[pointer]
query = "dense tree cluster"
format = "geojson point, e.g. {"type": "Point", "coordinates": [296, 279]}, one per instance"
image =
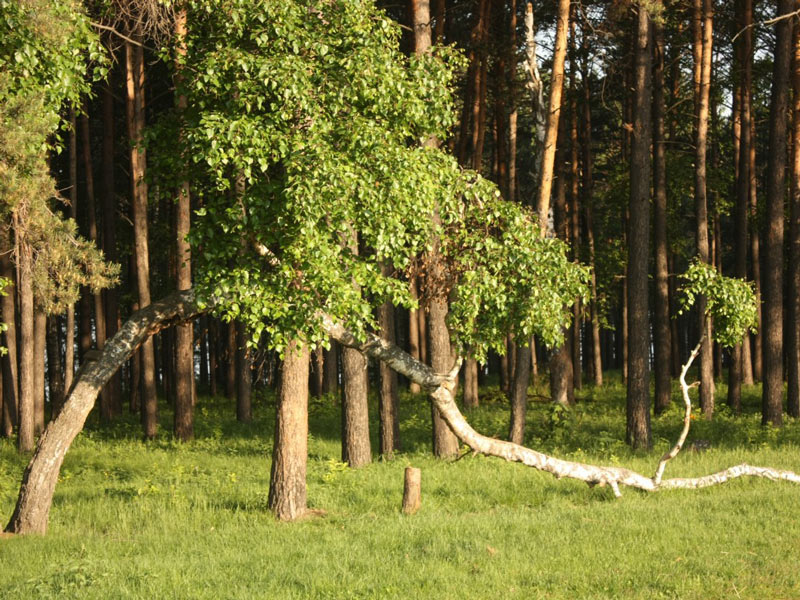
{"type": "Point", "coordinates": [505, 182]}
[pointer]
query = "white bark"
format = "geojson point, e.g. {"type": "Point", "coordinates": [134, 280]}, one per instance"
{"type": "Point", "coordinates": [442, 385]}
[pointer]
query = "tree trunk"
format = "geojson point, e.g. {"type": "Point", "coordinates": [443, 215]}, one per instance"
{"type": "Point", "coordinates": [106, 410]}
{"type": "Point", "coordinates": [24, 254]}
{"type": "Point", "coordinates": [244, 376]}
{"type": "Point", "coordinates": [445, 444]}
{"type": "Point", "coordinates": [574, 202]}
{"type": "Point", "coordinates": [471, 383]}
{"type": "Point", "coordinates": [638, 398]}
{"type": "Point", "coordinates": [330, 364]}
{"type": "Point", "coordinates": [772, 394]}
{"type": "Point", "coordinates": [553, 114]}
{"type": "Point", "coordinates": [184, 334]}
{"type": "Point", "coordinates": [755, 258]}
{"type": "Point", "coordinates": [389, 427]}
{"type": "Point", "coordinates": [587, 200]}
{"type": "Point", "coordinates": [287, 482]}
{"type": "Point", "coordinates": [41, 474]}
{"type": "Point", "coordinates": [230, 360]}
{"type": "Point", "coordinates": [136, 120]}
{"type": "Point", "coordinates": [10, 361]}
{"type": "Point", "coordinates": [702, 32]}
{"type": "Point", "coordinates": [793, 328]}
{"type": "Point", "coordinates": [39, 335]}
{"type": "Point", "coordinates": [661, 333]}
{"type": "Point", "coordinates": [111, 295]}
{"type": "Point", "coordinates": [413, 333]}
{"type": "Point", "coordinates": [744, 54]}
{"type": "Point", "coordinates": [54, 366]}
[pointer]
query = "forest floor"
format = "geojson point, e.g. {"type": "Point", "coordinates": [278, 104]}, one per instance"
{"type": "Point", "coordinates": [167, 520]}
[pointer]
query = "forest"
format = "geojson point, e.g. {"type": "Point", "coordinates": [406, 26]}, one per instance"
{"type": "Point", "coordinates": [325, 244]}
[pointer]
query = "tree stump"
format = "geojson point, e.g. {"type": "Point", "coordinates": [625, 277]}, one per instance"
{"type": "Point", "coordinates": [412, 490]}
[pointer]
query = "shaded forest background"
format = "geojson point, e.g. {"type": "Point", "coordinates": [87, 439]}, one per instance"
{"type": "Point", "coordinates": [707, 166]}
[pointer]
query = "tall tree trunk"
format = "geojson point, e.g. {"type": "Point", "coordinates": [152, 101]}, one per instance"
{"type": "Point", "coordinates": [744, 54]}
{"type": "Point", "coordinates": [772, 394]}
{"type": "Point", "coordinates": [24, 254]}
{"type": "Point", "coordinates": [136, 119]}
{"type": "Point", "coordinates": [244, 376]}
{"type": "Point", "coordinates": [111, 295]}
{"type": "Point", "coordinates": [661, 334]}
{"type": "Point", "coordinates": [184, 334]}
{"type": "Point", "coordinates": [445, 443]}
{"type": "Point", "coordinates": [588, 192]}
{"type": "Point", "coordinates": [54, 366]}
{"type": "Point", "coordinates": [389, 427]}
{"type": "Point", "coordinates": [356, 450]}
{"type": "Point", "coordinates": [793, 329]}
{"type": "Point", "coordinates": [69, 338]}
{"type": "Point", "coordinates": [562, 385]}
{"type": "Point", "coordinates": [553, 114]}
{"type": "Point", "coordinates": [39, 335]}
{"type": "Point", "coordinates": [638, 432]}
{"type": "Point", "coordinates": [10, 361]}
{"type": "Point", "coordinates": [755, 258]}
{"type": "Point", "coordinates": [106, 410]}
{"type": "Point", "coordinates": [213, 356]}
{"type": "Point", "coordinates": [574, 203]}
{"type": "Point", "coordinates": [702, 32]}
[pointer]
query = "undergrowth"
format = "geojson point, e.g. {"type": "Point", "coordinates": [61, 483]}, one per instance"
{"type": "Point", "coordinates": [163, 519]}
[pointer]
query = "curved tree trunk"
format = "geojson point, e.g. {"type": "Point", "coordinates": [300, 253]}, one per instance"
{"type": "Point", "coordinates": [41, 475]}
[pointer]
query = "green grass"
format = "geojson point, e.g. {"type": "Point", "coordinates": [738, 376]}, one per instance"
{"type": "Point", "coordinates": [165, 520]}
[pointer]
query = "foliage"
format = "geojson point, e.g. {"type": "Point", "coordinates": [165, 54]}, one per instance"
{"type": "Point", "coordinates": [308, 122]}
{"type": "Point", "coordinates": [44, 49]}
{"type": "Point", "coordinates": [730, 302]}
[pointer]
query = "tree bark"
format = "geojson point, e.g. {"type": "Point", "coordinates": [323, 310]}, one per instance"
{"type": "Point", "coordinates": [638, 432]}
{"type": "Point", "coordinates": [553, 113]}
{"type": "Point", "coordinates": [662, 343]}
{"type": "Point", "coordinates": [330, 384]}
{"type": "Point", "coordinates": [471, 383]}
{"type": "Point", "coordinates": [136, 119]}
{"type": "Point", "coordinates": [54, 366]}
{"type": "Point", "coordinates": [744, 55]}
{"type": "Point", "coordinates": [39, 335]}
{"type": "Point", "coordinates": [41, 475]}
{"type": "Point", "coordinates": [287, 482]}
{"type": "Point", "coordinates": [793, 322]}
{"type": "Point", "coordinates": [755, 259]}
{"type": "Point", "coordinates": [106, 410]}
{"type": "Point", "coordinates": [772, 391]}
{"type": "Point", "coordinates": [412, 490]}
{"type": "Point", "coordinates": [702, 31]}
{"type": "Point", "coordinates": [389, 427]}
{"type": "Point", "coordinates": [184, 334]}
{"type": "Point", "coordinates": [230, 360]}
{"type": "Point", "coordinates": [413, 332]}
{"type": "Point", "coordinates": [9, 339]}
{"type": "Point", "coordinates": [111, 295]}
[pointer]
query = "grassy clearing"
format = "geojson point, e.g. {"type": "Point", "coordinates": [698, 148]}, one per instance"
{"type": "Point", "coordinates": [164, 520]}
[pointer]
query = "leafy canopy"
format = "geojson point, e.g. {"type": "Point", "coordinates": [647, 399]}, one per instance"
{"type": "Point", "coordinates": [46, 47]}
{"type": "Point", "coordinates": [305, 120]}
{"type": "Point", "coordinates": [730, 302]}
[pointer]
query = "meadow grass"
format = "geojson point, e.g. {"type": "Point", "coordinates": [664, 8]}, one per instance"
{"type": "Point", "coordinates": [166, 520]}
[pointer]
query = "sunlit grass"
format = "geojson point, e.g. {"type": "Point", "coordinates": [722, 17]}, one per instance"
{"type": "Point", "coordinates": [168, 520]}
